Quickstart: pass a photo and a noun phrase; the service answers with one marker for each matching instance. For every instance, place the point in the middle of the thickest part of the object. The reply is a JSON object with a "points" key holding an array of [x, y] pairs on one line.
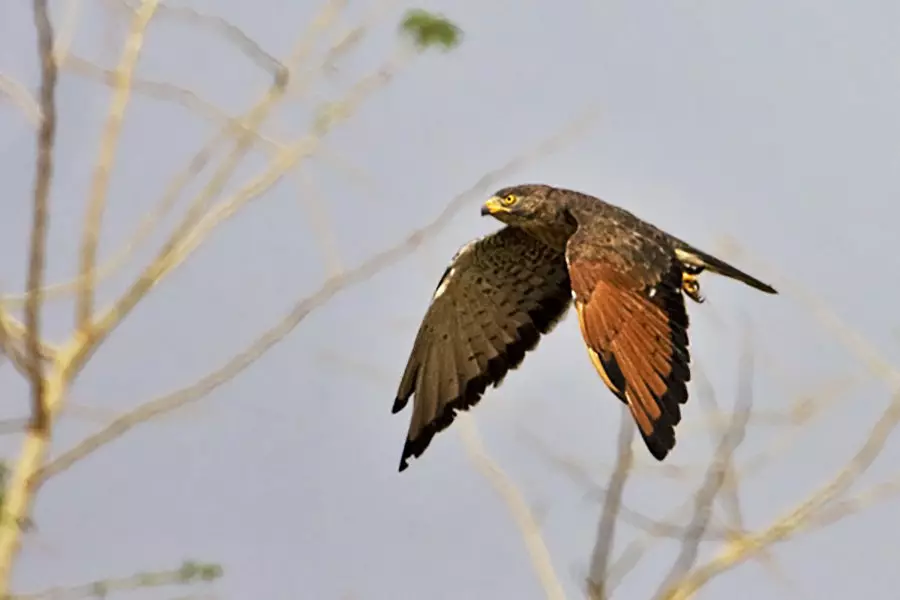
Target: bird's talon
{"points": [[691, 287]]}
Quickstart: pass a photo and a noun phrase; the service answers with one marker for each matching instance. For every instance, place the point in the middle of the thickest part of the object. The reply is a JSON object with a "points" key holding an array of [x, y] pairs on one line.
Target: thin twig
{"points": [[582, 477], [232, 33], [163, 90], [524, 517], [8, 347], [837, 511], [606, 529], [518, 507], [730, 497], [317, 210], [184, 575], [67, 30], [715, 477], [109, 142], [38, 244], [20, 96]]}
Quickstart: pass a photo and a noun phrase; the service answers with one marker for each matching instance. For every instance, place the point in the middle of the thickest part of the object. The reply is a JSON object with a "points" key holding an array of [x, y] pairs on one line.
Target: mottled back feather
{"points": [[633, 319]]}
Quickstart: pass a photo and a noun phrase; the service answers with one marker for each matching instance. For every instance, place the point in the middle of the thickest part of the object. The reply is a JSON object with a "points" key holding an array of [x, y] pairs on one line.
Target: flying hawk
{"points": [[503, 291]]}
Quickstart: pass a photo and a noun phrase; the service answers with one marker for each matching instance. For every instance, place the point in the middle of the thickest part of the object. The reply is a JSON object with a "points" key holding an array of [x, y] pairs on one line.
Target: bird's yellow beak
{"points": [[493, 206]]}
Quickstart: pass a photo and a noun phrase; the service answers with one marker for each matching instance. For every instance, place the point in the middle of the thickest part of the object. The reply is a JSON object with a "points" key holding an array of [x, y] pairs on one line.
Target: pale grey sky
{"points": [[772, 123]]}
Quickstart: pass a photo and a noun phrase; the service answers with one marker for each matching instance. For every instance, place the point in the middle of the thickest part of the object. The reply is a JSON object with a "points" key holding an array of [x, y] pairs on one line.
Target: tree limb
{"points": [[100, 183], [606, 529]]}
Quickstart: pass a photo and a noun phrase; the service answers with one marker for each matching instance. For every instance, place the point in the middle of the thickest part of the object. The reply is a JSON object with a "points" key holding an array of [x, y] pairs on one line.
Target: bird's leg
{"points": [[690, 284]]}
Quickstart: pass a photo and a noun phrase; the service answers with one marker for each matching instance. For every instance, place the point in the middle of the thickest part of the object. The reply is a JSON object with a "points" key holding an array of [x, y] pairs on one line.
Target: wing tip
{"points": [[661, 442], [399, 404], [658, 452], [408, 452]]}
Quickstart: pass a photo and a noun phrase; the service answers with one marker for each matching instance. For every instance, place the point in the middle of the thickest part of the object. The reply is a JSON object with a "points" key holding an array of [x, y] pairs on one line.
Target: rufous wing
{"points": [[636, 335]]}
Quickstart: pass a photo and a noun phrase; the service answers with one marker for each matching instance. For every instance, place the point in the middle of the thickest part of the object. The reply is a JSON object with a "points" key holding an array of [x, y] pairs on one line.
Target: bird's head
{"points": [[525, 205]]}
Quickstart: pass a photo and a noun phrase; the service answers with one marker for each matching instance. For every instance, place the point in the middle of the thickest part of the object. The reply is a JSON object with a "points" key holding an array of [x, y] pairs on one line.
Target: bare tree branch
{"points": [[606, 529], [232, 33], [188, 573], [518, 507], [38, 244], [715, 477], [317, 210], [197, 224], [730, 497], [66, 32], [839, 510], [581, 476], [100, 183], [163, 90], [15, 503], [21, 98]]}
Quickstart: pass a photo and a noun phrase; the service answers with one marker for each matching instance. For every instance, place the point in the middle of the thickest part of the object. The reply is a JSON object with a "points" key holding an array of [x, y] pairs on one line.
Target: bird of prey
{"points": [[501, 292]]}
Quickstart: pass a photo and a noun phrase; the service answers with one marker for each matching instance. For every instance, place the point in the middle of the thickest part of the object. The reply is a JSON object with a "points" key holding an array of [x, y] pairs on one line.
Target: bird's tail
{"points": [[700, 260]]}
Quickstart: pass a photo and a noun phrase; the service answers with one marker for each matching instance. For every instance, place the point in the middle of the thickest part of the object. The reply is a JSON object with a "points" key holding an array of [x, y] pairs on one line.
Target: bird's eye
{"points": [[509, 199]]}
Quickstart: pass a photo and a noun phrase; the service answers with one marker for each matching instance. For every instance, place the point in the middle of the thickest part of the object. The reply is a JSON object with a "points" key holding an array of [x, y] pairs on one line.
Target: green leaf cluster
{"points": [[430, 30]]}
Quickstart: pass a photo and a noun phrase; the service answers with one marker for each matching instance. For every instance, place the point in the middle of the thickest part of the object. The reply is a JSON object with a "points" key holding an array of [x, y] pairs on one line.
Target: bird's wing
{"points": [[627, 291], [497, 297]]}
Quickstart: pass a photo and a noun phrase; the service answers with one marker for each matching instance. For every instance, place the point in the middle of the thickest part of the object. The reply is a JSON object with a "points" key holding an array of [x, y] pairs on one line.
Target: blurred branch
{"points": [[38, 243], [145, 228], [170, 92], [302, 308], [231, 33], [198, 222], [187, 574], [851, 339], [66, 32], [16, 495], [715, 478], [730, 497], [746, 546], [317, 210], [8, 347], [606, 529], [582, 477], [739, 550], [838, 511], [806, 409], [518, 507], [21, 98], [109, 142], [241, 126], [149, 221], [523, 516]]}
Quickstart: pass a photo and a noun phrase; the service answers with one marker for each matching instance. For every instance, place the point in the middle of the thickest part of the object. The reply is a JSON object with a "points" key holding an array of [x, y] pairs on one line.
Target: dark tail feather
{"points": [[696, 258]]}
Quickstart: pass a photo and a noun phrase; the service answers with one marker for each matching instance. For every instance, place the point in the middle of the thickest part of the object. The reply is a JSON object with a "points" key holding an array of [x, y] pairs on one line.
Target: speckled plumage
{"points": [[502, 292]]}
